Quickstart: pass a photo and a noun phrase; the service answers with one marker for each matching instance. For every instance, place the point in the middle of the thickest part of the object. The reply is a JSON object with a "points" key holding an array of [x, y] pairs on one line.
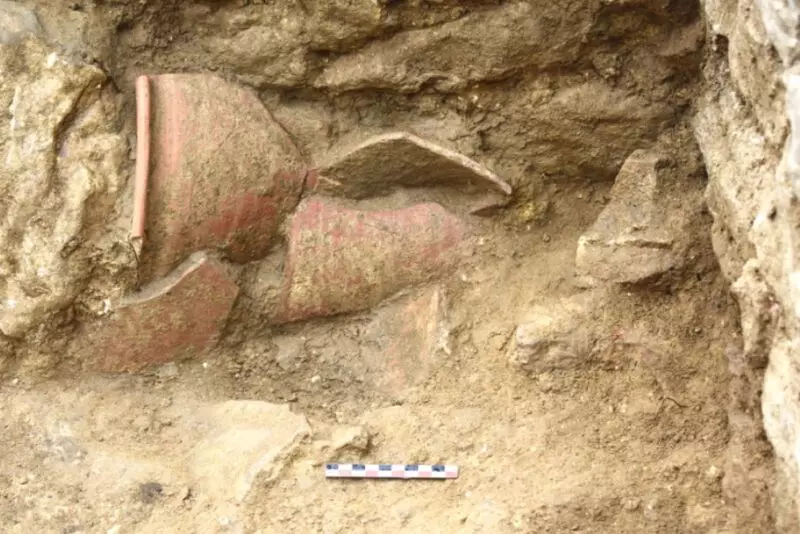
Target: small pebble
{"points": [[546, 238], [315, 379], [713, 474], [631, 505]]}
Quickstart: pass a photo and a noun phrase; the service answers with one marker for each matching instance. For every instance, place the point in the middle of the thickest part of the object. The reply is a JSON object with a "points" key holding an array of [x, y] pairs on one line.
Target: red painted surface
{"points": [[223, 173], [342, 260], [179, 319], [411, 332]]}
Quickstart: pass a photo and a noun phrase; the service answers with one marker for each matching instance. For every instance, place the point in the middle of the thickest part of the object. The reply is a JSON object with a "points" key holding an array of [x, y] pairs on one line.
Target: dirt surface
{"points": [[633, 442], [629, 434]]}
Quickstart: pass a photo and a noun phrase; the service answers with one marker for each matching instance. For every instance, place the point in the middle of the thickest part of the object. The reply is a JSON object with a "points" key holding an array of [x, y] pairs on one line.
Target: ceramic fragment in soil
{"points": [[179, 316], [405, 341], [343, 260], [401, 159], [629, 242], [223, 172]]}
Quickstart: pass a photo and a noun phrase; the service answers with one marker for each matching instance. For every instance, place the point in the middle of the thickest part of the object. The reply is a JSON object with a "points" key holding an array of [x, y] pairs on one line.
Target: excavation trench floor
{"points": [[616, 443]]}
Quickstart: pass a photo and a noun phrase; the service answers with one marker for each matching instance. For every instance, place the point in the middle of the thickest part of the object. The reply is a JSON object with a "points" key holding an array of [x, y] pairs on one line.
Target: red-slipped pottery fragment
{"points": [[342, 260], [178, 316], [406, 340], [223, 172]]}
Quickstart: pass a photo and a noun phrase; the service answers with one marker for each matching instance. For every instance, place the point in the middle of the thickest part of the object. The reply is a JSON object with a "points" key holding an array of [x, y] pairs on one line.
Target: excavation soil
{"points": [[633, 438]]}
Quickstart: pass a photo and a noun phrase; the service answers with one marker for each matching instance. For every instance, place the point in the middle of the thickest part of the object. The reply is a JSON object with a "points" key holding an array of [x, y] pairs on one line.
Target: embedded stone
{"points": [[546, 344], [629, 241], [179, 316], [556, 336], [343, 260], [17, 22], [480, 46], [63, 168], [243, 440]]}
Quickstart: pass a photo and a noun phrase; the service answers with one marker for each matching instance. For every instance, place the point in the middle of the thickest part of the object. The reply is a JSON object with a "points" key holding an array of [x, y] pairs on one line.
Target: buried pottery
{"points": [[222, 173]]}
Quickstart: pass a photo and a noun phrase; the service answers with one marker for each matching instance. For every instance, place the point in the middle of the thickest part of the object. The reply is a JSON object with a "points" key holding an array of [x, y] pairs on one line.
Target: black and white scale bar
{"points": [[403, 471]]}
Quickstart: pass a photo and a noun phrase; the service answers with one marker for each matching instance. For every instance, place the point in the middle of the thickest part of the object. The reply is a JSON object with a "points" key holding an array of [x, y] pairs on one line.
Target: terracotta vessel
{"points": [[181, 315], [343, 260], [221, 173]]}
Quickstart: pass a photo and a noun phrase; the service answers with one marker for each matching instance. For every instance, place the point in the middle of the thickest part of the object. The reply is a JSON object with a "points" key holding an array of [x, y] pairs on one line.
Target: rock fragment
{"points": [[451, 55], [243, 440], [63, 168], [629, 241], [342, 25], [373, 167], [265, 47], [17, 22], [556, 337], [350, 441], [350, 438], [179, 316], [342, 260]]}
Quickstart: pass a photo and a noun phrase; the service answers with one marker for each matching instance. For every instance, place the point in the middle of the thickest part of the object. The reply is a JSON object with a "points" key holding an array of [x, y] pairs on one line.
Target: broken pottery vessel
{"points": [[178, 316], [222, 172], [630, 241], [383, 162], [343, 260]]}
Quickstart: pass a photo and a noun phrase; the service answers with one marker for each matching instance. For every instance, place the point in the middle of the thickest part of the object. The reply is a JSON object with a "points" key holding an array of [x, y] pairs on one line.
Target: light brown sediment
{"points": [[142, 155]]}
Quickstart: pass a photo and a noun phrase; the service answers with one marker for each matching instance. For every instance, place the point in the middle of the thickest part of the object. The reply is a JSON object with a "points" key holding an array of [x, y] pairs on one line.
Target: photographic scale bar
{"points": [[401, 471]]}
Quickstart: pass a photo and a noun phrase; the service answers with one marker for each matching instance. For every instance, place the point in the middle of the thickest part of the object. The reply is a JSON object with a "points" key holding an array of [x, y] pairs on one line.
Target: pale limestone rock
{"points": [[350, 439], [736, 157], [629, 241], [62, 175], [781, 21], [781, 412], [243, 440], [17, 22], [720, 16], [554, 337], [69, 30], [740, 125]]}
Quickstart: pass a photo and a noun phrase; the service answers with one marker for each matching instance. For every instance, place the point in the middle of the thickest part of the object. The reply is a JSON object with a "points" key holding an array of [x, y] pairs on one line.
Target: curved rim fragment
{"points": [[400, 158]]}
